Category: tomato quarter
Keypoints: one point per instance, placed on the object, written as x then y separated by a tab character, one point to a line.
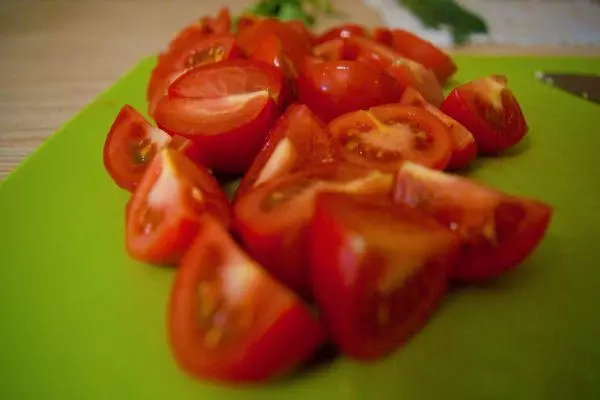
498	231
378	272
229	321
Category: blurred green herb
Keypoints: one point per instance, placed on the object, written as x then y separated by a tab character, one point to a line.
438	14
306	11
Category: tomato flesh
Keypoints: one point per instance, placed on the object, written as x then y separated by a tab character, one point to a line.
378	272
164	213
331	50
386	136
271	219
490	111
340	32
229	321
465	148
497	231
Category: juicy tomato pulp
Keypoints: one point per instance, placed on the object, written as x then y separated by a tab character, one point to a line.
406	72
271	219
229	320
132	143
417	49
333	88
488	109
297	140
386	136
164	214
226	108
208	49
465	148
378	272
332	50
497	231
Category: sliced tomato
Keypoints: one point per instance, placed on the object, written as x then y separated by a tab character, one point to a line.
415	48
378	272
331	50
385	136
340	32
333	88
405	71
132	143
297	140
208	49
497	230
164	214
301	28
464	147
219	25
229	321
226	108
271	219
489	109
270	51
295	44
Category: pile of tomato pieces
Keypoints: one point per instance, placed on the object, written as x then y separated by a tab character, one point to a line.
344	227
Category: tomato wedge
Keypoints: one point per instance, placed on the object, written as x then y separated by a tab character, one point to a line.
465	148
378	272
271	219
415	48
229	321
297	140
340	32
385	136
331	50
132	143
333	88
489	109
165	211
497	230
226	108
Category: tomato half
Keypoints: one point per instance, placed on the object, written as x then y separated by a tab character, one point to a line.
164	213
489	109
132	143
378	272
333	88
271	219
498	231
229	321
297	140
340	32
226	108
204	51
464	147
385	136
420	50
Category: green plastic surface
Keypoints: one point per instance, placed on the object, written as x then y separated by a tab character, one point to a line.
80	320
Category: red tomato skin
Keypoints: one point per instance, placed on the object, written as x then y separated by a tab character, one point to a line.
467	207
340	32
333	88
493	132
179	222
265	352
343	280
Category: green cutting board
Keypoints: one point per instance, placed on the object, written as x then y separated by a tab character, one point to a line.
80	320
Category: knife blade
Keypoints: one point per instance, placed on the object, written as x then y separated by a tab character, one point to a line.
586	86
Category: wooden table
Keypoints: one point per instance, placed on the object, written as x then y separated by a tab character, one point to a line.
58	55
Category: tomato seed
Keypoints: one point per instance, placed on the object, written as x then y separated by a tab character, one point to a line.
150	219
212	54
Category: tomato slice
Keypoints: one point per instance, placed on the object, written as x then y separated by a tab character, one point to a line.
206	50
333	88
489	109
297	140
378	272
229	321
498	231
331	50
415	48
163	216
340	32
132	143
219	25
465	148
271	219
226	108
386	136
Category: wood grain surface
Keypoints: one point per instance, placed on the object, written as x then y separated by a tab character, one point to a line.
58	55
